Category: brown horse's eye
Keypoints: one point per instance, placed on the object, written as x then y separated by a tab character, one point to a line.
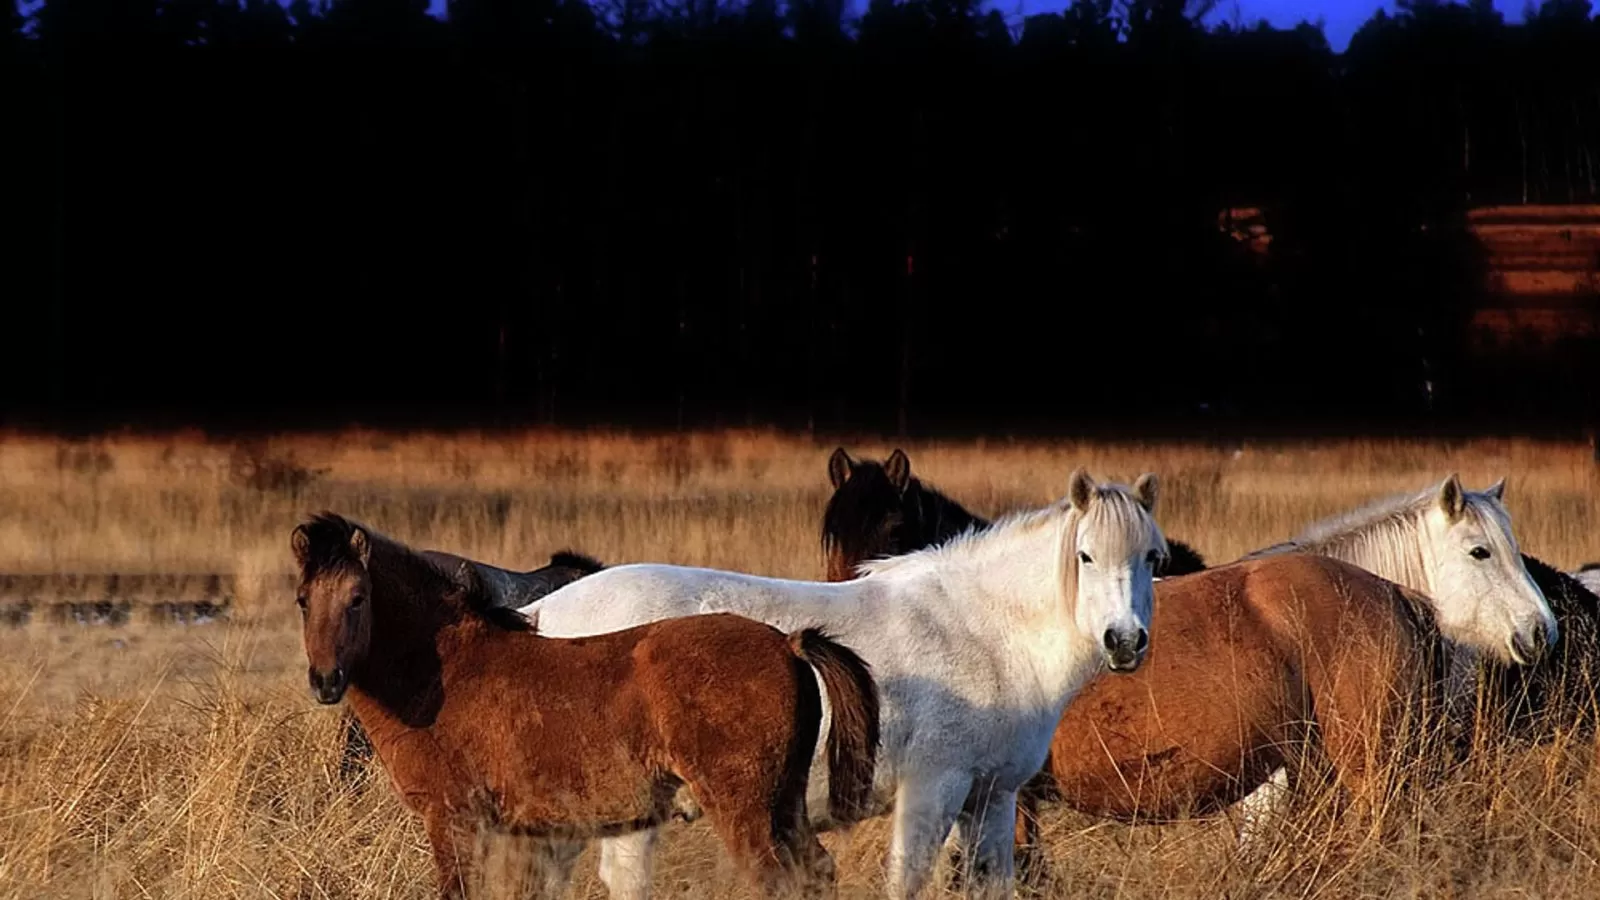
300	601
357	600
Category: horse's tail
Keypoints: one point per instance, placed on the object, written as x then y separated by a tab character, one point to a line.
853	735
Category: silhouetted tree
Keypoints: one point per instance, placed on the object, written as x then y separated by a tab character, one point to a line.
915	213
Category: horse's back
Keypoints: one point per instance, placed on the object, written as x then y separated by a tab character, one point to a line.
635	593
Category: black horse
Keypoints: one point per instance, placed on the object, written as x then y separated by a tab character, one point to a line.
512	590
881	509
1559	692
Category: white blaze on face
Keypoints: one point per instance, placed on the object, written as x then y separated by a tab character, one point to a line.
1115	551
1482	592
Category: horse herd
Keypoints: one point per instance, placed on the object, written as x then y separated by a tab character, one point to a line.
947	674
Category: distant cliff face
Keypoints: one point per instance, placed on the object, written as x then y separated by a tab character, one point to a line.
1544	274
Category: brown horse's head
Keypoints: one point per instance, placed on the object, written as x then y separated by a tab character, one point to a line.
879	509
334	594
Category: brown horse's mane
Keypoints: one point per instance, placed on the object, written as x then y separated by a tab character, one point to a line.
328	544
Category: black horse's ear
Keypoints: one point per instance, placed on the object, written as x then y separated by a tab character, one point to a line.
300	543
840	466
361	546
898	468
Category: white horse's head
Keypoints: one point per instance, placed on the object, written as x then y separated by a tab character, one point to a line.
1110	554
1482	592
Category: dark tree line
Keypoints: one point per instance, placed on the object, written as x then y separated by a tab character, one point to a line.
689	212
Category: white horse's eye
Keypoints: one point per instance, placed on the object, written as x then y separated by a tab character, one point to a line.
1479	553
1084	558
1152	557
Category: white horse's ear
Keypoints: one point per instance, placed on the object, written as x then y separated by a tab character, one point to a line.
300	543
1080	489
1452	500
898	468
839	466
1497	490
1145	491
533	621
361	546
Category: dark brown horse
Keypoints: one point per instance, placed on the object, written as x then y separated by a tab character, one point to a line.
881	509
483	723
510	589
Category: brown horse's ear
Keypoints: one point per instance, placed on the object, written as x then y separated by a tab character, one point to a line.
1145	491
898	468
1497	490
1080	489
1451	498
300	543
839	467
361	546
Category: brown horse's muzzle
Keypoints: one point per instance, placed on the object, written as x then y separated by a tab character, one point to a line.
329	688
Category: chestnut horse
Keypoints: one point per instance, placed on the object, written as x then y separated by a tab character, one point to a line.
879	509
1306	642
513	589
482	722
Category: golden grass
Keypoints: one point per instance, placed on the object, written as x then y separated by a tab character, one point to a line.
190	762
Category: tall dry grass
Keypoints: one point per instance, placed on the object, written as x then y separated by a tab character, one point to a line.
190	762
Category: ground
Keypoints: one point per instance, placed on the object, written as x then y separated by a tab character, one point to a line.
178	761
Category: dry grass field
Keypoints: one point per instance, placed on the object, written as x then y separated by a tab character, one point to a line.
190	761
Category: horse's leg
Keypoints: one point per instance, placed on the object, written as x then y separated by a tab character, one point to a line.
356	753
991	854
955	851
451	854
1031	865
1260	807
925	806
626	863
555	859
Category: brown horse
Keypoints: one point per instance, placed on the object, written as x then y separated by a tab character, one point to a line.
881	509
511	589
1254	655
483	723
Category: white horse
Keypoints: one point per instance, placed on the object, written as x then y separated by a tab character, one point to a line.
977	646
1454	546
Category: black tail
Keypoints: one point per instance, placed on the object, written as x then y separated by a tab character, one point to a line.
853	736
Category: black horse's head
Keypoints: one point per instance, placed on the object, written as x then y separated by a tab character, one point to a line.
880	509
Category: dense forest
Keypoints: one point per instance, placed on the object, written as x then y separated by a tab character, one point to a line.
921	217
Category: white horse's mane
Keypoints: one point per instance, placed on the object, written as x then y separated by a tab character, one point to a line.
1385	532
1114	502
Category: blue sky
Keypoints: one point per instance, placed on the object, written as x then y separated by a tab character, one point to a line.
1341	18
